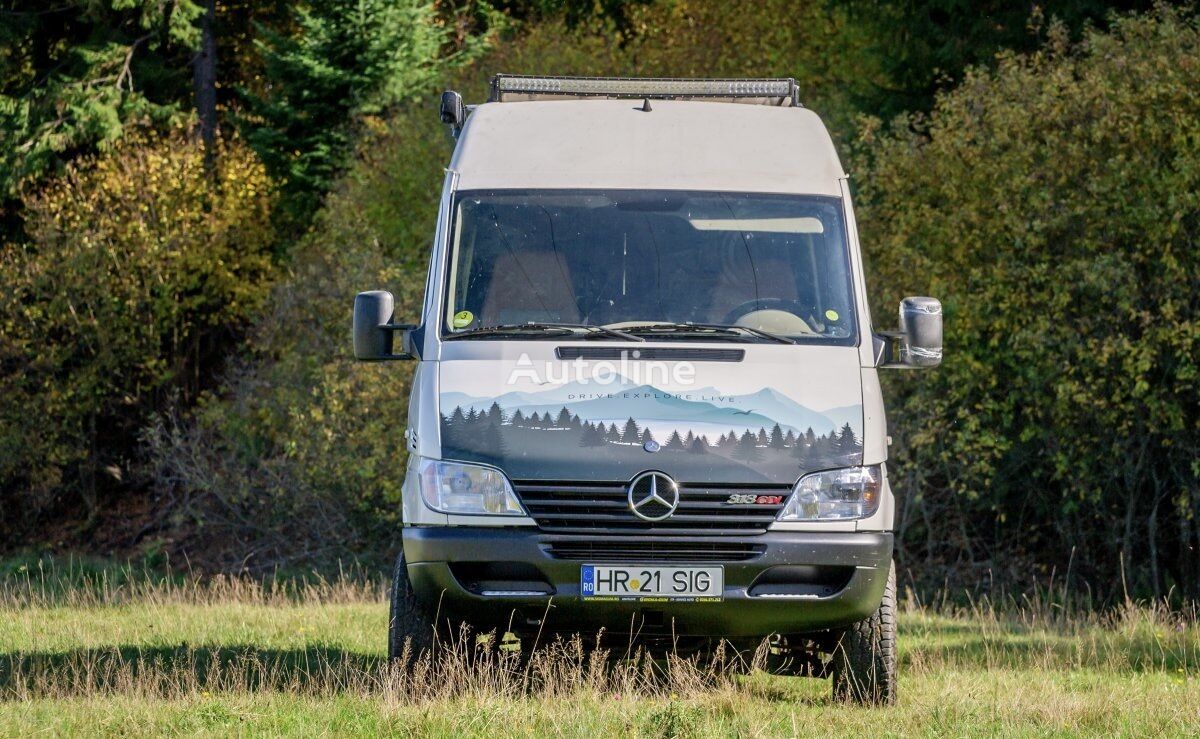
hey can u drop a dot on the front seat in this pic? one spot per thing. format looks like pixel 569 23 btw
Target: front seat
pixel 530 286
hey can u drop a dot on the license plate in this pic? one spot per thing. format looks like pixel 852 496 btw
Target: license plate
pixel 651 582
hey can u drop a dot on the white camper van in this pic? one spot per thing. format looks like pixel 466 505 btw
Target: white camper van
pixel 645 400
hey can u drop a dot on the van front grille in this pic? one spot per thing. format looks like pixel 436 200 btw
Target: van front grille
pixel 603 508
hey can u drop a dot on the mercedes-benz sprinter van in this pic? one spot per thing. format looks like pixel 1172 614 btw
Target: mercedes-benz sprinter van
pixel 645 398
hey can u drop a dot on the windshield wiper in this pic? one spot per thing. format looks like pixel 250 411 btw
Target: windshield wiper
pixel 537 328
pixel 706 329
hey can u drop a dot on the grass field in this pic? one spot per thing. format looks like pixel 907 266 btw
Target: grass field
pixel 117 652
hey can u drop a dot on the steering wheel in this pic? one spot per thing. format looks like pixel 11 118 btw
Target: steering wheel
pixel 795 307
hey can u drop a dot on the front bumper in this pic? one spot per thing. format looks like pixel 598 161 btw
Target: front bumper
pixel 830 580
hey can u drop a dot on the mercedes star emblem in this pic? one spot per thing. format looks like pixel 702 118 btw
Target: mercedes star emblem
pixel 653 496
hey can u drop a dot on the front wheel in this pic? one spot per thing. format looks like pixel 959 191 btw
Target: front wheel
pixel 409 623
pixel 864 660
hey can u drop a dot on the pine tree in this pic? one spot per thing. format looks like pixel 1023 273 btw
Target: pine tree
pixel 591 436
pixel 613 435
pixel 789 440
pixel 687 440
pixel 490 439
pixel 698 446
pixel 518 418
pixel 74 75
pixel 647 437
pixel 495 415
pixel 747 448
pixel 761 439
pixel 675 441
pixel 342 60
pixel 776 441
pixel 564 419
pixel 846 443
pixel 631 434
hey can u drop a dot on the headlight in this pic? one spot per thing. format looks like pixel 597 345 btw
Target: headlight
pixel 454 487
pixel 835 495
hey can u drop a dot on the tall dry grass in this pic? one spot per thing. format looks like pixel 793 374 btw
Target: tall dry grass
pixel 49 583
pixel 1033 631
pixel 466 669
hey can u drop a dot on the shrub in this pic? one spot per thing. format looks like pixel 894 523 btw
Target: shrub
pixel 1054 206
pixel 137 268
pixel 300 459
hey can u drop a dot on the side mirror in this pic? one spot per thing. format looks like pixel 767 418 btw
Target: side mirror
pixel 373 328
pixel 918 343
pixel 452 111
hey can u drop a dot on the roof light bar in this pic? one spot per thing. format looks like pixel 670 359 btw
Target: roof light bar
pixel 513 87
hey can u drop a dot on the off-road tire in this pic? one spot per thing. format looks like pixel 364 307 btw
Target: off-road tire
pixel 864 660
pixel 410 622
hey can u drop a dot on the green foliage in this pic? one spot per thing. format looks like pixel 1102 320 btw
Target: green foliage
pixel 72 74
pixel 302 459
pixel 924 45
pixel 135 267
pixel 814 42
pixel 1054 206
pixel 342 61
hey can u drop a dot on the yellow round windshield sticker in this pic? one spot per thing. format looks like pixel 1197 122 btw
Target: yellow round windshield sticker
pixel 831 314
pixel 463 318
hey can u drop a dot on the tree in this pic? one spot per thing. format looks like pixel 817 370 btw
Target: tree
pixel 698 445
pixel 747 448
pixel 761 437
pixel 924 45
pixel 789 440
pixel 846 443
pixel 675 441
pixel 518 418
pixel 135 269
pixel 564 419
pixel 776 441
pixel 495 414
pixel 342 61
pixel 632 434
pixel 647 437
pixel 613 434
pixel 72 75
pixel 590 436
pixel 490 440
pixel 1078 289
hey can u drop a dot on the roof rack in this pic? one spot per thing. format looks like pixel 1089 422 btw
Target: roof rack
pixel 782 92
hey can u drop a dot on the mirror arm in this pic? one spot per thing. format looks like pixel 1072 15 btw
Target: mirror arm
pixel 885 346
pixel 408 349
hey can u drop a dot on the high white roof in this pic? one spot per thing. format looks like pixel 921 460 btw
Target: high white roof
pixel 696 145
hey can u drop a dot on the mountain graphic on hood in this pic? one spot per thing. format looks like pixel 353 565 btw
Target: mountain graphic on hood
pixel 621 399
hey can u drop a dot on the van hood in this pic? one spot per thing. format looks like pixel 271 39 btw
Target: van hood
pixel 769 417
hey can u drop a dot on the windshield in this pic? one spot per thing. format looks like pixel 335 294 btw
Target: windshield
pixel 650 263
